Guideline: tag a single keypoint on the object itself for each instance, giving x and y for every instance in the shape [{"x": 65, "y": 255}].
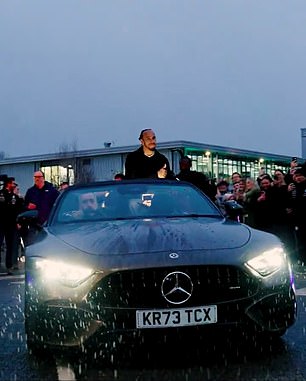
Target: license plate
[{"x": 179, "y": 317}]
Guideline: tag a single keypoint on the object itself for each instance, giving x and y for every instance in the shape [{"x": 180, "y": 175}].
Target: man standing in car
[
  {"x": 146, "y": 161},
  {"x": 41, "y": 196}
]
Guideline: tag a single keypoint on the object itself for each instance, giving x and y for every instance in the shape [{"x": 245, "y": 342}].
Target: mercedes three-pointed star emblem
[{"x": 177, "y": 287}]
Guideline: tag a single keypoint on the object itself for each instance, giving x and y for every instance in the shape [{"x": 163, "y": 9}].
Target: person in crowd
[
  {"x": 239, "y": 188},
  {"x": 119, "y": 176},
  {"x": 223, "y": 195},
  {"x": 250, "y": 201},
  {"x": 235, "y": 178},
  {"x": 41, "y": 196},
  {"x": 20, "y": 228},
  {"x": 10, "y": 206},
  {"x": 17, "y": 190},
  {"x": 271, "y": 210},
  {"x": 146, "y": 161},
  {"x": 282, "y": 227},
  {"x": 261, "y": 174},
  {"x": 265, "y": 208},
  {"x": 279, "y": 179},
  {"x": 194, "y": 177},
  {"x": 297, "y": 211},
  {"x": 213, "y": 185},
  {"x": 289, "y": 175},
  {"x": 63, "y": 185},
  {"x": 292, "y": 197}
]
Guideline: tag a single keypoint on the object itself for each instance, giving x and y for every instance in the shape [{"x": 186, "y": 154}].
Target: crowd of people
[{"x": 274, "y": 203}]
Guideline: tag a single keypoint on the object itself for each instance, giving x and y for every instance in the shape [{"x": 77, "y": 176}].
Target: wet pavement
[{"x": 17, "y": 270}]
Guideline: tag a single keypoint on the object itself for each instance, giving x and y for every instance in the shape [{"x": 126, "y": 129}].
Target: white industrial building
[{"x": 102, "y": 164}]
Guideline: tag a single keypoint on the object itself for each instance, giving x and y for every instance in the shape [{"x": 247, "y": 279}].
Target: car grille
[{"x": 142, "y": 288}]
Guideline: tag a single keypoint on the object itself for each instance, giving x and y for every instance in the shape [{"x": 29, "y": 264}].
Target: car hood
[{"x": 152, "y": 235}]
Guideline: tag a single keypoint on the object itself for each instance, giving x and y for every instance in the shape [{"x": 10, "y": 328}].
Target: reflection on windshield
[{"x": 130, "y": 201}]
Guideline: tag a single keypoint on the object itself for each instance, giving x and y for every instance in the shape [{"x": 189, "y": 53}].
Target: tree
[
  {"x": 81, "y": 169},
  {"x": 84, "y": 172}
]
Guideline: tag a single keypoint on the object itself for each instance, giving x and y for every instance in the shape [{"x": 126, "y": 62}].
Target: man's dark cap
[{"x": 8, "y": 180}]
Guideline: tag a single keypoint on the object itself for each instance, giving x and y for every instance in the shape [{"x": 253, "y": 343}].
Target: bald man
[{"x": 41, "y": 196}]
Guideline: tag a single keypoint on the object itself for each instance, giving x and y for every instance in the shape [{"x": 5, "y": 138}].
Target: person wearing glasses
[{"x": 41, "y": 196}]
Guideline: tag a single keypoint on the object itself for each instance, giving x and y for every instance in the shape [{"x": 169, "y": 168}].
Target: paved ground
[{"x": 3, "y": 270}]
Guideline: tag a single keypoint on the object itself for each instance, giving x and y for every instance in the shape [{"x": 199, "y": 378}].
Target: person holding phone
[
  {"x": 266, "y": 206},
  {"x": 289, "y": 175}
]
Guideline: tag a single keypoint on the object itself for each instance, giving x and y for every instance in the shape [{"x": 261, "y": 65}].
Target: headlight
[
  {"x": 268, "y": 262},
  {"x": 69, "y": 275}
]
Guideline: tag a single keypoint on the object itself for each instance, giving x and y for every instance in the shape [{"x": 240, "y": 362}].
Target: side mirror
[
  {"x": 234, "y": 211},
  {"x": 31, "y": 229},
  {"x": 30, "y": 217}
]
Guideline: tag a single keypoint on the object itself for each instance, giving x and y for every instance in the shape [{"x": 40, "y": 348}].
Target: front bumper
[{"x": 74, "y": 322}]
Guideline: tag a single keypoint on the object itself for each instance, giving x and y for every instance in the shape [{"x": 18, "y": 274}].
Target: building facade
[{"x": 102, "y": 164}]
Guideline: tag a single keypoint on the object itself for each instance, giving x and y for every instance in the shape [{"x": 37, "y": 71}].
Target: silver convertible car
[{"x": 128, "y": 258}]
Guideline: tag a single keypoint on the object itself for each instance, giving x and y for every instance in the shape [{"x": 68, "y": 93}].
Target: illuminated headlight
[
  {"x": 268, "y": 262},
  {"x": 56, "y": 271}
]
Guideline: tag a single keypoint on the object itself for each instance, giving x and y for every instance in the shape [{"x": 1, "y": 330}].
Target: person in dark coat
[
  {"x": 41, "y": 197},
  {"x": 271, "y": 210},
  {"x": 252, "y": 192},
  {"x": 196, "y": 178},
  {"x": 267, "y": 207},
  {"x": 10, "y": 206},
  {"x": 297, "y": 208},
  {"x": 146, "y": 161}
]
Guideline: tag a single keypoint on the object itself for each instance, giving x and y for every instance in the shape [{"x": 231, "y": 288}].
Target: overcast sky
[{"x": 83, "y": 72}]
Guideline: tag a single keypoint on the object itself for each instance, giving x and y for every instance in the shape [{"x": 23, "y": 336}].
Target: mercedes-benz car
[{"x": 132, "y": 257}]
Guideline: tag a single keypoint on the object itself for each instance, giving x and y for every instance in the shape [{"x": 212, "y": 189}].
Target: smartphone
[{"x": 147, "y": 196}]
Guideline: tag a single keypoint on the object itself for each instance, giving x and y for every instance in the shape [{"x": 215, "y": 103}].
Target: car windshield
[{"x": 126, "y": 201}]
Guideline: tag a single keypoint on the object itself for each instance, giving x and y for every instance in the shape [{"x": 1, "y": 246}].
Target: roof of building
[{"x": 175, "y": 145}]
